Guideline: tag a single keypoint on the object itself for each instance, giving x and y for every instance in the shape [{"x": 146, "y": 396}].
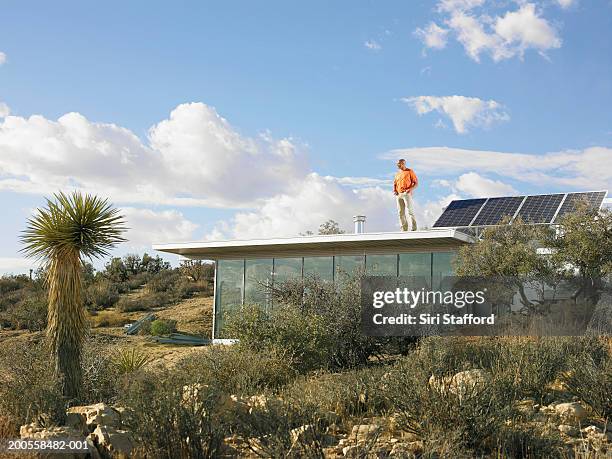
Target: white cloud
[
  {"x": 16, "y": 265},
  {"x": 565, "y": 4},
  {"x": 476, "y": 185},
  {"x": 433, "y": 36},
  {"x": 4, "y": 110},
  {"x": 195, "y": 157},
  {"x": 372, "y": 45},
  {"x": 2, "y": 58},
  {"x": 147, "y": 226},
  {"x": 464, "y": 112},
  {"x": 587, "y": 169},
  {"x": 310, "y": 203},
  {"x": 503, "y": 36}
]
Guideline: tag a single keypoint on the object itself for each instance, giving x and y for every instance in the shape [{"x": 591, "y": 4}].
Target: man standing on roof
[{"x": 405, "y": 181}]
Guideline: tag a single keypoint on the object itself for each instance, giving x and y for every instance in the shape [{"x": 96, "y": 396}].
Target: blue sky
[{"x": 243, "y": 119}]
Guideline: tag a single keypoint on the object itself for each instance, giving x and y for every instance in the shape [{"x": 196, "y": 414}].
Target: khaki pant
[{"x": 405, "y": 200}]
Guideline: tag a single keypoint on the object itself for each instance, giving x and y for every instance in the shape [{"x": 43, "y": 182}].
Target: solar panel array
[{"x": 540, "y": 208}]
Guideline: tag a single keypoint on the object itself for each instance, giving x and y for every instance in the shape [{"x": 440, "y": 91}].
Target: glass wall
[
  {"x": 230, "y": 279},
  {"x": 321, "y": 267},
  {"x": 441, "y": 266},
  {"x": 286, "y": 268},
  {"x": 245, "y": 280},
  {"x": 381, "y": 265},
  {"x": 258, "y": 274},
  {"x": 416, "y": 265}
]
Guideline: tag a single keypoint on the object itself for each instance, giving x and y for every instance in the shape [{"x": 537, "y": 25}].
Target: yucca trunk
[{"x": 66, "y": 318}]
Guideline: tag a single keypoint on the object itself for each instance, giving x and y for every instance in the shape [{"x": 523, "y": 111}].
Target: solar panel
[
  {"x": 540, "y": 208},
  {"x": 592, "y": 198},
  {"x": 496, "y": 209},
  {"x": 460, "y": 213}
]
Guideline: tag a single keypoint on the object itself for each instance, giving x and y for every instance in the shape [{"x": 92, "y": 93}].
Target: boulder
[
  {"x": 36, "y": 432},
  {"x": 572, "y": 411},
  {"x": 113, "y": 442},
  {"x": 365, "y": 433},
  {"x": 94, "y": 415},
  {"x": 469, "y": 382}
]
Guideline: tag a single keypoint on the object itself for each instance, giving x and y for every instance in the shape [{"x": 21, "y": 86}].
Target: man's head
[{"x": 401, "y": 164}]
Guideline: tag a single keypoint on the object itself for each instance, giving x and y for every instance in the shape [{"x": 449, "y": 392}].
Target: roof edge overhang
[{"x": 436, "y": 239}]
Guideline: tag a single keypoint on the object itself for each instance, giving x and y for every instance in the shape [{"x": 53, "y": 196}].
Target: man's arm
[
  {"x": 395, "y": 187},
  {"x": 414, "y": 180}
]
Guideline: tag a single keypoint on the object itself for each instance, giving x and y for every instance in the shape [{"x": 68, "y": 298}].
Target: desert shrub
[
  {"x": 137, "y": 280},
  {"x": 237, "y": 371},
  {"x": 271, "y": 429},
  {"x": 471, "y": 417},
  {"x": 143, "y": 303},
  {"x": 591, "y": 381},
  {"x": 29, "y": 389},
  {"x": 12, "y": 283},
  {"x": 171, "y": 421},
  {"x": 101, "y": 295},
  {"x": 101, "y": 380},
  {"x": 351, "y": 393},
  {"x": 302, "y": 336},
  {"x": 532, "y": 440},
  {"x": 316, "y": 322},
  {"x": 164, "y": 281},
  {"x": 161, "y": 327},
  {"x": 30, "y": 313}
]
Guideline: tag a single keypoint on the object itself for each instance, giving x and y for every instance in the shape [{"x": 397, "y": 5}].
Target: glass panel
[
  {"x": 258, "y": 275},
  {"x": 346, "y": 264},
  {"x": 229, "y": 290},
  {"x": 381, "y": 265},
  {"x": 322, "y": 267},
  {"x": 286, "y": 268},
  {"x": 415, "y": 264},
  {"x": 442, "y": 267}
]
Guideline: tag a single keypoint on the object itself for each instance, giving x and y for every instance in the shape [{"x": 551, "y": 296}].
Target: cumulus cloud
[
  {"x": 372, "y": 45},
  {"x": 4, "y": 110},
  {"x": 502, "y": 36},
  {"x": 463, "y": 111},
  {"x": 195, "y": 157},
  {"x": 586, "y": 169},
  {"x": 565, "y": 4},
  {"x": 476, "y": 185},
  {"x": 2, "y": 58},
  {"x": 147, "y": 226},
  {"x": 433, "y": 36}
]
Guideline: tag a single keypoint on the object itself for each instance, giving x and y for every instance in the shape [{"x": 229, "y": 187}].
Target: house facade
[{"x": 243, "y": 266}]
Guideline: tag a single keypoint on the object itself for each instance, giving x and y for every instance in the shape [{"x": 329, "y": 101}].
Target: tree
[
  {"x": 154, "y": 265},
  {"x": 132, "y": 263},
  {"x": 508, "y": 251},
  {"x": 116, "y": 270},
  {"x": 69, "y": 229},
  {"x": 330, "y": 227},
  {"x": 584, "y": 243},
  {"x": 197, "y": 269}
]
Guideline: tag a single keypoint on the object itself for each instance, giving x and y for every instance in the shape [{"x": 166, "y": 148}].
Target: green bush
[
  {"x": 160, "y": 327},
  {"x": 169, "y": 420},
  {"x": 350, "y": 393},
  {"x": 30, "y": 313},
  {"x": 164, "y": 281},
  {"x": 317, "y": 323},
  {"x": 101, "y": 295},
  {"x": 128, "y": 361},
  {"x": 237, "y": 371},
  {"x": 29, "y": 389},
  {"x": 590, "y": 380}
]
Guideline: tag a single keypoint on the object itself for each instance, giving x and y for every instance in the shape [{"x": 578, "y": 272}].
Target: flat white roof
[{"x": 341, "y": 244}]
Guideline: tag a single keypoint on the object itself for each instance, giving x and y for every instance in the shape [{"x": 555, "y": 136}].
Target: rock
[
  {"x": 568, "y": 430},
  {"x": 469, "y": 382},
  {"x": 590, "y": 430},
  {"x": 95, "y": 415},
  {"x": 572, "y": 411},
  {"x": 35, "y": 432},
  {"x": 112, "y": 442},
  {"x": 354, "y": 451},
  {"x": 365, "y": 433}
]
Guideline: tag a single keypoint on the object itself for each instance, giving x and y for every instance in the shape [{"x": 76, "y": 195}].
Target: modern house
[{"x": 242, "y": 265}]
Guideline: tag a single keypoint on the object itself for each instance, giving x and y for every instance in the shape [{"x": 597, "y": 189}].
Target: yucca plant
[
  {"x": 69, "y": 229},
  {"x": 130, "y": 360}
]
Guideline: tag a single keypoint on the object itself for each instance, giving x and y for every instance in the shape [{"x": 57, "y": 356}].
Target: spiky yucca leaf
[{"x": 69, "y": 228}]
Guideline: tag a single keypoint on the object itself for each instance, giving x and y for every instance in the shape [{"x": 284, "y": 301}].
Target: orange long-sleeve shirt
[{"x": 404, "y": 180}]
